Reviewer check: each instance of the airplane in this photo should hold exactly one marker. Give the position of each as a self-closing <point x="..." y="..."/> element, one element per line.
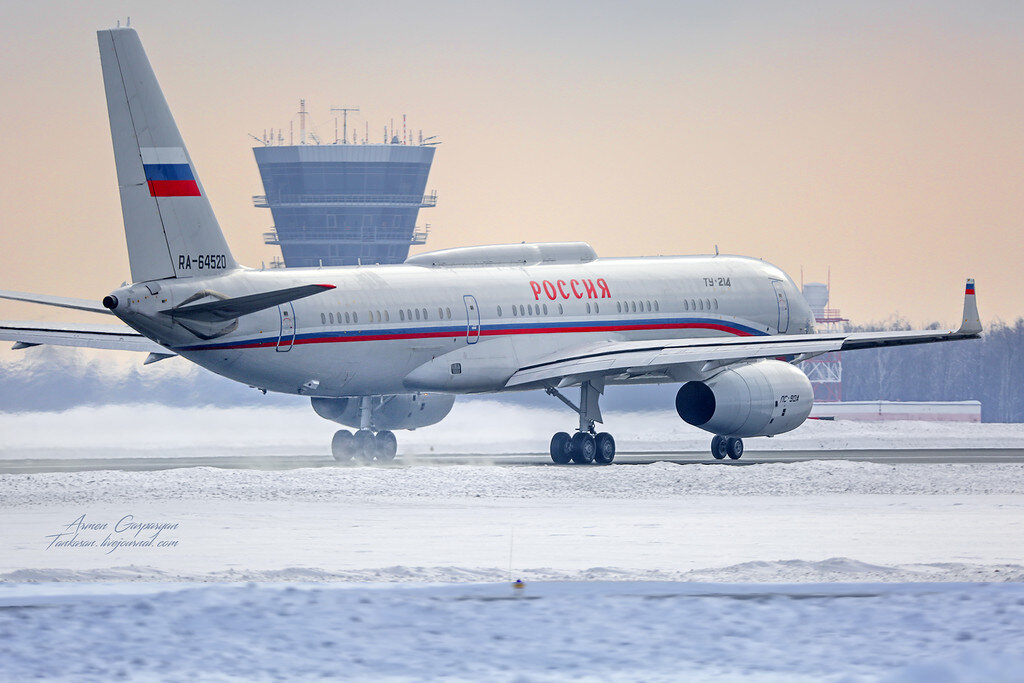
<point x="386" y="347"/>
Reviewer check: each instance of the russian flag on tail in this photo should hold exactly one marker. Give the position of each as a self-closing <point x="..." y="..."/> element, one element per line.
<point x="168" y="172"/>
<point x="969" y="290"/>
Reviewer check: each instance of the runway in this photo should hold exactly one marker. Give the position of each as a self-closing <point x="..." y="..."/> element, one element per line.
<point x="291" y="462"/>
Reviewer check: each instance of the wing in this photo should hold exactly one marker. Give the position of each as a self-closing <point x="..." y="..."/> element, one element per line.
<point x="691" y="359"/>
<point x="113" y="337"/>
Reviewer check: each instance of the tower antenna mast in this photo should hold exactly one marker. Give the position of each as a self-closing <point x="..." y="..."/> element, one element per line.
<point x="344" y="121"/>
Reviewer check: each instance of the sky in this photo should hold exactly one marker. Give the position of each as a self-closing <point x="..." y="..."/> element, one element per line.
<point x="880" y="142"/>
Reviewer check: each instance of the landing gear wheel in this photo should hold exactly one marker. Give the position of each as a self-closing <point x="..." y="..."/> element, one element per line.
<point x="734" y="447"/>
<point x="604" y="451"/>
<point x="364" y="445"/>
<point x="560" y="452"/>
<point x="387" y="445"/>
<point x="718" y="447"/>
<point x="341" y="445"/>
<point x="582" y="448"/>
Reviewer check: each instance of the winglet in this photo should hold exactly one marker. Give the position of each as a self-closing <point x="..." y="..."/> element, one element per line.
<point x="971" y="323"/>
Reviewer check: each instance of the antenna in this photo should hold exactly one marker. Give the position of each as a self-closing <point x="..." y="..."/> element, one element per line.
<point x="405" y="137"/>
<point x="344" y="123"/>
<point x="302" y="122"/>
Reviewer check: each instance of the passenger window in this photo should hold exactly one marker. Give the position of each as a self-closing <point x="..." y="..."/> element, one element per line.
<point x="686" y="305"/>
<point x="655" y="305"/>
<point x="693" y="304"/>
<point x="708" y="302"/>
<point x="716" y="303"/>
<point x="424" y="314"/>
<point x="355" y="317"/>
<point x="529" y="309"/>
<point x="560" y="311"/>
<point x="588" y="308"/>
<point x="417" y="314"/>
<point x="330" y="316"/>
<point x="633" y="306"/>
<point x="347" y="318"/>
<point x="648" y="306"/>
<point x="597" y="309"/>
<point x="401" y="314"/>
<point x="545" y="309"/>
<point x="440" y="313"/>
<point x="522" y="310"/>
<point x="408" y="314"/>
<point x="514" y="312"/>
<point x="499" y="311"/>
<point x="701" y="304"/>
<point x="618" y="306"/>
<point x="387" y="316"/>
<point x="448" y="311"/>
<point x="323" y="319"/>
<point x="378" y="316"/>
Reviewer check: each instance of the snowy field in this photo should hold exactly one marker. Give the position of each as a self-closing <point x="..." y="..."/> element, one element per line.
<point x="824" y="570"/>
<point x="920" y="633"/>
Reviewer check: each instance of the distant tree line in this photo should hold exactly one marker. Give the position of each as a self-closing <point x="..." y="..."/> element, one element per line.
<point x="990" y="370"/>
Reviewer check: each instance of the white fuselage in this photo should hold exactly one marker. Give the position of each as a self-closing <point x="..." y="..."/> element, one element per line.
<point x="395" y="329"/>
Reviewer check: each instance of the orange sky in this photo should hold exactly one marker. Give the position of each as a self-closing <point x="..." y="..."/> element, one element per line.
<point x="884" y="140"/>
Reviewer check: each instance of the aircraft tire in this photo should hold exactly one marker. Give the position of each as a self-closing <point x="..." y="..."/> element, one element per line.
<point x="560" y="448"/>
<point x="582" y="448"/>
<point x="604" y="451"/>
<point x="734" y="447"/>
<point x="718" y="447"/>
<point x="364" y="445"/>
<point x="341" y="445"/>
<point x="387" y="445"/>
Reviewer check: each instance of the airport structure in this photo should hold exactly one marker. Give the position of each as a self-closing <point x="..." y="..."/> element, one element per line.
<point x="825" y="371"/>
<point x="347" y="203"/>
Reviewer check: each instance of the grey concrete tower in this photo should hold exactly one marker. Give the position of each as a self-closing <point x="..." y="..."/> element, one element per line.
<point x="345" y="204"/>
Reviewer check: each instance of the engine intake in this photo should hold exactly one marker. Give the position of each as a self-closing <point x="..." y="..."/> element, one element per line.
<point x="760" y="399"/>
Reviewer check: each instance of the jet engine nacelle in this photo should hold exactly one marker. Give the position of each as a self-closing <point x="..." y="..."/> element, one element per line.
<point x="397" y="411"/>
<point x="760" y="399"/>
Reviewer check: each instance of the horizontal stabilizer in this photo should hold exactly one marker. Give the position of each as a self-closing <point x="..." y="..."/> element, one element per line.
<point x="61" y="301"/>
<point x="110" y="337"/>
<point x="229" y="309"/>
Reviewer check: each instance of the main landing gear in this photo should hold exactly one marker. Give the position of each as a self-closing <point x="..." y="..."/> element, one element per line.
<point x="365" y="445"/>
<point x="585" y="446"/>
<point x="722" y="446"/>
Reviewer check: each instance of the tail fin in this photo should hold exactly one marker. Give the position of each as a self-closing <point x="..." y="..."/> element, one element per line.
<point x="168" y="221"/>
<point x="971" y="323"/>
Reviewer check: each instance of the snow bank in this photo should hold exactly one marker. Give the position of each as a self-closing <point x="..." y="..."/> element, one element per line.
<point x="472" y="427"/>
<point x="659" y="480"/>
<point x="547" y="631"/>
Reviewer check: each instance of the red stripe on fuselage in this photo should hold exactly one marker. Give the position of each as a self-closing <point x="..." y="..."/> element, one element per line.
<point x="488" y="333"/>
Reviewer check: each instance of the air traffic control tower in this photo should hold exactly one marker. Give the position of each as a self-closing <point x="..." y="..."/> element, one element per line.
<point x="347" y="203"/>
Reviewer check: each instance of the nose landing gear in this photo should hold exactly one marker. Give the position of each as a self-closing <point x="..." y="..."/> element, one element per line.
<point x="585" y="446"/>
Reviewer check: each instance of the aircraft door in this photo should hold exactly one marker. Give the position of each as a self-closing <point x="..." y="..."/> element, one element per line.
<point x="287" y="338"/>
<point x="780" y="294"/>
<point x="472" y="319"/>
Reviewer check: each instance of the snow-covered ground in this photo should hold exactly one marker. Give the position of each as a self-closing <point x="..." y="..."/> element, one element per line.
<point x="824" y="570"/>
<point x="545" y="631"/>
<point x="476" y="426"/>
